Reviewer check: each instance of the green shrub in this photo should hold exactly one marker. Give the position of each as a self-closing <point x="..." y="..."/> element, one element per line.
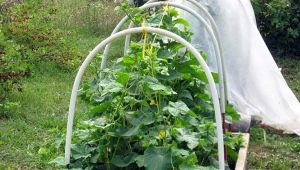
<point x="28" y="36"/>
<point x="279" y="23"/>
<point x="31" y="26"/>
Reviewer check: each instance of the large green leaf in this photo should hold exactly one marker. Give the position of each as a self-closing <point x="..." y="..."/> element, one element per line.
<point x="83" y="134"/>
<point x="122" y="77"/>
<point x="198" y="73"/>
<point x="131" y="100"/>
<point x="157" y="158"/>
<point x="131" y="132"/>
<point x="173" y="12"/>
<point x="140" y="160"/>
<point x="176" y="108"/>
<point x="173" y="75"/>
<point x="95" y="158"/>
<point x="60" y="161"/>
<point x="97" y="110"/>
<point x="230" y="111"/>
<point x="179" y="152"/>
<point x="81" y="151"/>
<point x="128" y="61"/>
<point x="192" y="159"/>
<point x="185" y="94"/>
<point x="232" y="154"/>
<point x="181" y="21"/>
<point x="161" y="89"/>
<point x="110" y="86"/>
<point x="152" y="85"/>
<point x="123" y="160"/>
<point x="192" y="67"/>
<point x="125" y="132"/>
<point x="100" y="122"/>
<point x="162" y="53"/>
<point x="140" y="117"/>
<point x="191" y="138"/>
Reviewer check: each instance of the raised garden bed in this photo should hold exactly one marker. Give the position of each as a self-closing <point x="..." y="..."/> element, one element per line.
<point x="241" y="162"/>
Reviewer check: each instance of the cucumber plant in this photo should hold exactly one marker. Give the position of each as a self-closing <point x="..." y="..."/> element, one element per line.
<point x="152" y="110"/>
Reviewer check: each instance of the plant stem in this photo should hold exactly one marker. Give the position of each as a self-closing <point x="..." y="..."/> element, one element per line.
<point x="107" y="158"/>
<point x="172" y="162"/>
<point x="116" y="147"/>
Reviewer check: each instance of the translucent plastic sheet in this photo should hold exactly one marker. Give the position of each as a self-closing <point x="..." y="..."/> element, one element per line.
<point x="255" y="84"/>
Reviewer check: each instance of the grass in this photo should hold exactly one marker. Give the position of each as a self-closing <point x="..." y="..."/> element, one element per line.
<point x="92" y="17"/>
<point x="44" y="104"/>
<point x="291" y="72"/>
<point x="278" y="152"/>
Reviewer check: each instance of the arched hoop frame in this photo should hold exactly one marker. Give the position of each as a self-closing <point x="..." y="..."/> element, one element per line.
<point x="207" y="26"/>
<point x="212" y="85"/>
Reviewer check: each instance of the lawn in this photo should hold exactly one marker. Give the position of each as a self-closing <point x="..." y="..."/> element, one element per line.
<point x="278" y="152"/>
<point x="291" y="72"/>
<point x="44" y="104"/>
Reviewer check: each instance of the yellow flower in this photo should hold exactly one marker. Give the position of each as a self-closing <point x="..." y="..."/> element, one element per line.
<point x="162" y="134"/>
<point x="166" y="8"/>
<point x="152" y="102"/>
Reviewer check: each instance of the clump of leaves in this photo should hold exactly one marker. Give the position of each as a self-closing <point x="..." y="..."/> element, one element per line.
<point x="152" y="110"/>
<point x="279" y="23"/>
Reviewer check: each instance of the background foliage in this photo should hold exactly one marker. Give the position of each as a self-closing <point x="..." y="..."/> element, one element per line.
<point x="92" y="16"/>
<point x="279" y="24"/>
<point x="28" y="35"/>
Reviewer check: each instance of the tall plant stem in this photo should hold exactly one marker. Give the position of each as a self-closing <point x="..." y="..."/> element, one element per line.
<point x="116" y="148"/>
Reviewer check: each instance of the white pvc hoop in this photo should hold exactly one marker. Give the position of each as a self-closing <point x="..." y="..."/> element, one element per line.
<point x="206" y="25"/>
<point x="217" y="34"/>
<point x="177" y="38"/>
